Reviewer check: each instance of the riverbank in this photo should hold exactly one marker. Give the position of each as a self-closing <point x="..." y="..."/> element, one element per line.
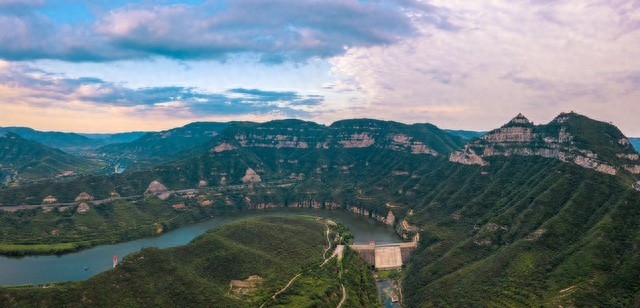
<point x="271" y="248"/>
<point x="66" y="230"/>
<point x="68" y="267"/>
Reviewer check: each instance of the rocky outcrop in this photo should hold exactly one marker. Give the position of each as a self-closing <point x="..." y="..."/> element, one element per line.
<point x="636" y="186"/>
<point x="155" y="187"/>
<point x="49" y="199"/>
<point x="251" y="176"/>
<point x="414" y="139"/>
<point x="223" y="147"/>
<point x="277" y="141"/>
<point x="555" y="140"/>
<point x="83" y="197"/>
<point x="635" y="169"/>
<point x="360" y="140"/>
<point x="467" y="156"/>
<point x="82" y="208"/>
<point x="179" y="206"/>
<point x="390" y="219"/>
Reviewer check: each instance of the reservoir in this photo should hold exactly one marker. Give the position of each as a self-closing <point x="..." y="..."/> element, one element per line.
<point x="69" y="267"/>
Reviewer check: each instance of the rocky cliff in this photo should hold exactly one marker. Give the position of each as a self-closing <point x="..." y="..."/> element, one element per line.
<point x="348" y="134"/>
<point x="570" y="137"/>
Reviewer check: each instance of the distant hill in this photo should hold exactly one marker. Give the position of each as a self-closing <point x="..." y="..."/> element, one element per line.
<point x="65" y="141"/>
<point x="105" y="139"/>
<point x="526" y="215"/>
<point x="71" y="142"/>
<point x="636" y="143"/>
<point x="164" y="145"/>
<point x="466" y="134"/>
<point x="29" y="160"/>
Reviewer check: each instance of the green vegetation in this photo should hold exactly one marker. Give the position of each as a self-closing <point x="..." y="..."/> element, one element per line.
<point x="527" y="232"/>
<point x="197" y="274"/>
<point x="521" y="231"/>
<point x="29" y="160"/>
<point x="322" y="286"/>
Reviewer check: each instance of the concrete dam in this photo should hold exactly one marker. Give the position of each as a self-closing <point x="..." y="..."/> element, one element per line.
<point x="386" y="256"/>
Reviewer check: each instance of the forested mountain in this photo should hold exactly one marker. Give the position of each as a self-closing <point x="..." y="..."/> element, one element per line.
<point x="165" y="145"/>
<point x="466" y="134"/>
<point x="570" y="137"/>
<point x="526" y="215"/>
<point x="71" y="142"/>
<point x="29" y="160"/>
<point x="105" y="139"/>
<point x="346" y="152"/>
<point x="260" y="255"/>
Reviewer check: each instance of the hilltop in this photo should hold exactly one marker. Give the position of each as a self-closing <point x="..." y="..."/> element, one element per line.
<point x="29" y="160"/>
<point x="70" y="142"/>
<point x="526" y="215"/>
<point x="570" y="137"/>
<point x="257" y="256"/>
<point x="161" y="146"/>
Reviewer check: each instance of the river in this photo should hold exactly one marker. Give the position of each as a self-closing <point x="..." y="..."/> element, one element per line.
<point x="69" y="267"/>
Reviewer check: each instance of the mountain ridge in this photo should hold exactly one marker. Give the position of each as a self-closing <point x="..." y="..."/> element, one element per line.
<point x="31" y="160"/>
<point x="569" y="137"/>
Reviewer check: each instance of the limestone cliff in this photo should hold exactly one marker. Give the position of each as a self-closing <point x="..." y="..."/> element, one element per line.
<point x="569" y="137"/>
<point x="414" y="139"/>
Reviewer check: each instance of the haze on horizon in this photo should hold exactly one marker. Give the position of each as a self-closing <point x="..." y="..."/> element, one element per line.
<point x="113" y="66"/>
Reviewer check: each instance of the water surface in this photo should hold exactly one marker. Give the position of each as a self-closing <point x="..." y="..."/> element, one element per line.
<point x="69" y="267"/>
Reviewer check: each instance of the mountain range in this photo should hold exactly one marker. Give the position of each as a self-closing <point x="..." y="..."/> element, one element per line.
<point x="29" y="160"/>
<point x="524" y="215"/>
<point x="71" y="142"/>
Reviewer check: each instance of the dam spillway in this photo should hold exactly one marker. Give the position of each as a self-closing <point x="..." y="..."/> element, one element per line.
<point x="386" y="256"/>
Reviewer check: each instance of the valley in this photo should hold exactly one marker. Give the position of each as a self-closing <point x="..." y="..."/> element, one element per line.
<point x="523" y="215"/>
<point x="221" y="260"/>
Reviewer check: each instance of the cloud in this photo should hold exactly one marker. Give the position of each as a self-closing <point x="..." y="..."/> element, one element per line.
<point x="273" y="30"/>
<point x="40" y="91"/>
<point x="505" y="57"/>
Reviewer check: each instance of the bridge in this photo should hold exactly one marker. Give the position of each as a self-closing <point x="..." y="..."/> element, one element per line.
<point x="386" y="256"/>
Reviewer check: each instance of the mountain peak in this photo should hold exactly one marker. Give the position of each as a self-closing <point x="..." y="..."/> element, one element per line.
<point x="570" y="137"/>
<point x="519" y="120"/>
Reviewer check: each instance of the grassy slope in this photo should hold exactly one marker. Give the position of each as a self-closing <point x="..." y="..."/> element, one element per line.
<point x="197" y="274"/>
<point x="477" y="247"/>
<point x="320" y="287"/>
<point x="32" y="160"/>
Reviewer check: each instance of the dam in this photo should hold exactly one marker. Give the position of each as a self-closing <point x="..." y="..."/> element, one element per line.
<point x="386" y="256"/>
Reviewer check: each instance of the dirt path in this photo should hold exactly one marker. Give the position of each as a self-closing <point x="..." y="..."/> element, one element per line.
<point x="344" y="296"/>
<point x="283" y="289"/>
<point x="324" y="255"/>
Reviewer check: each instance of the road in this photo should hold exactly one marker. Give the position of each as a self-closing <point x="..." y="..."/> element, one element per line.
<point x="13" y="208"/>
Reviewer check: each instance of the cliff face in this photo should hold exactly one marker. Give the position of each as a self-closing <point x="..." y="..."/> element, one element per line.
<point x="569" y="137"/>
<point x="349" y="134"/>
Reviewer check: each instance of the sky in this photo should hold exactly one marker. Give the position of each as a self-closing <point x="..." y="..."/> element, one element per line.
<point x="113" y="66"/>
